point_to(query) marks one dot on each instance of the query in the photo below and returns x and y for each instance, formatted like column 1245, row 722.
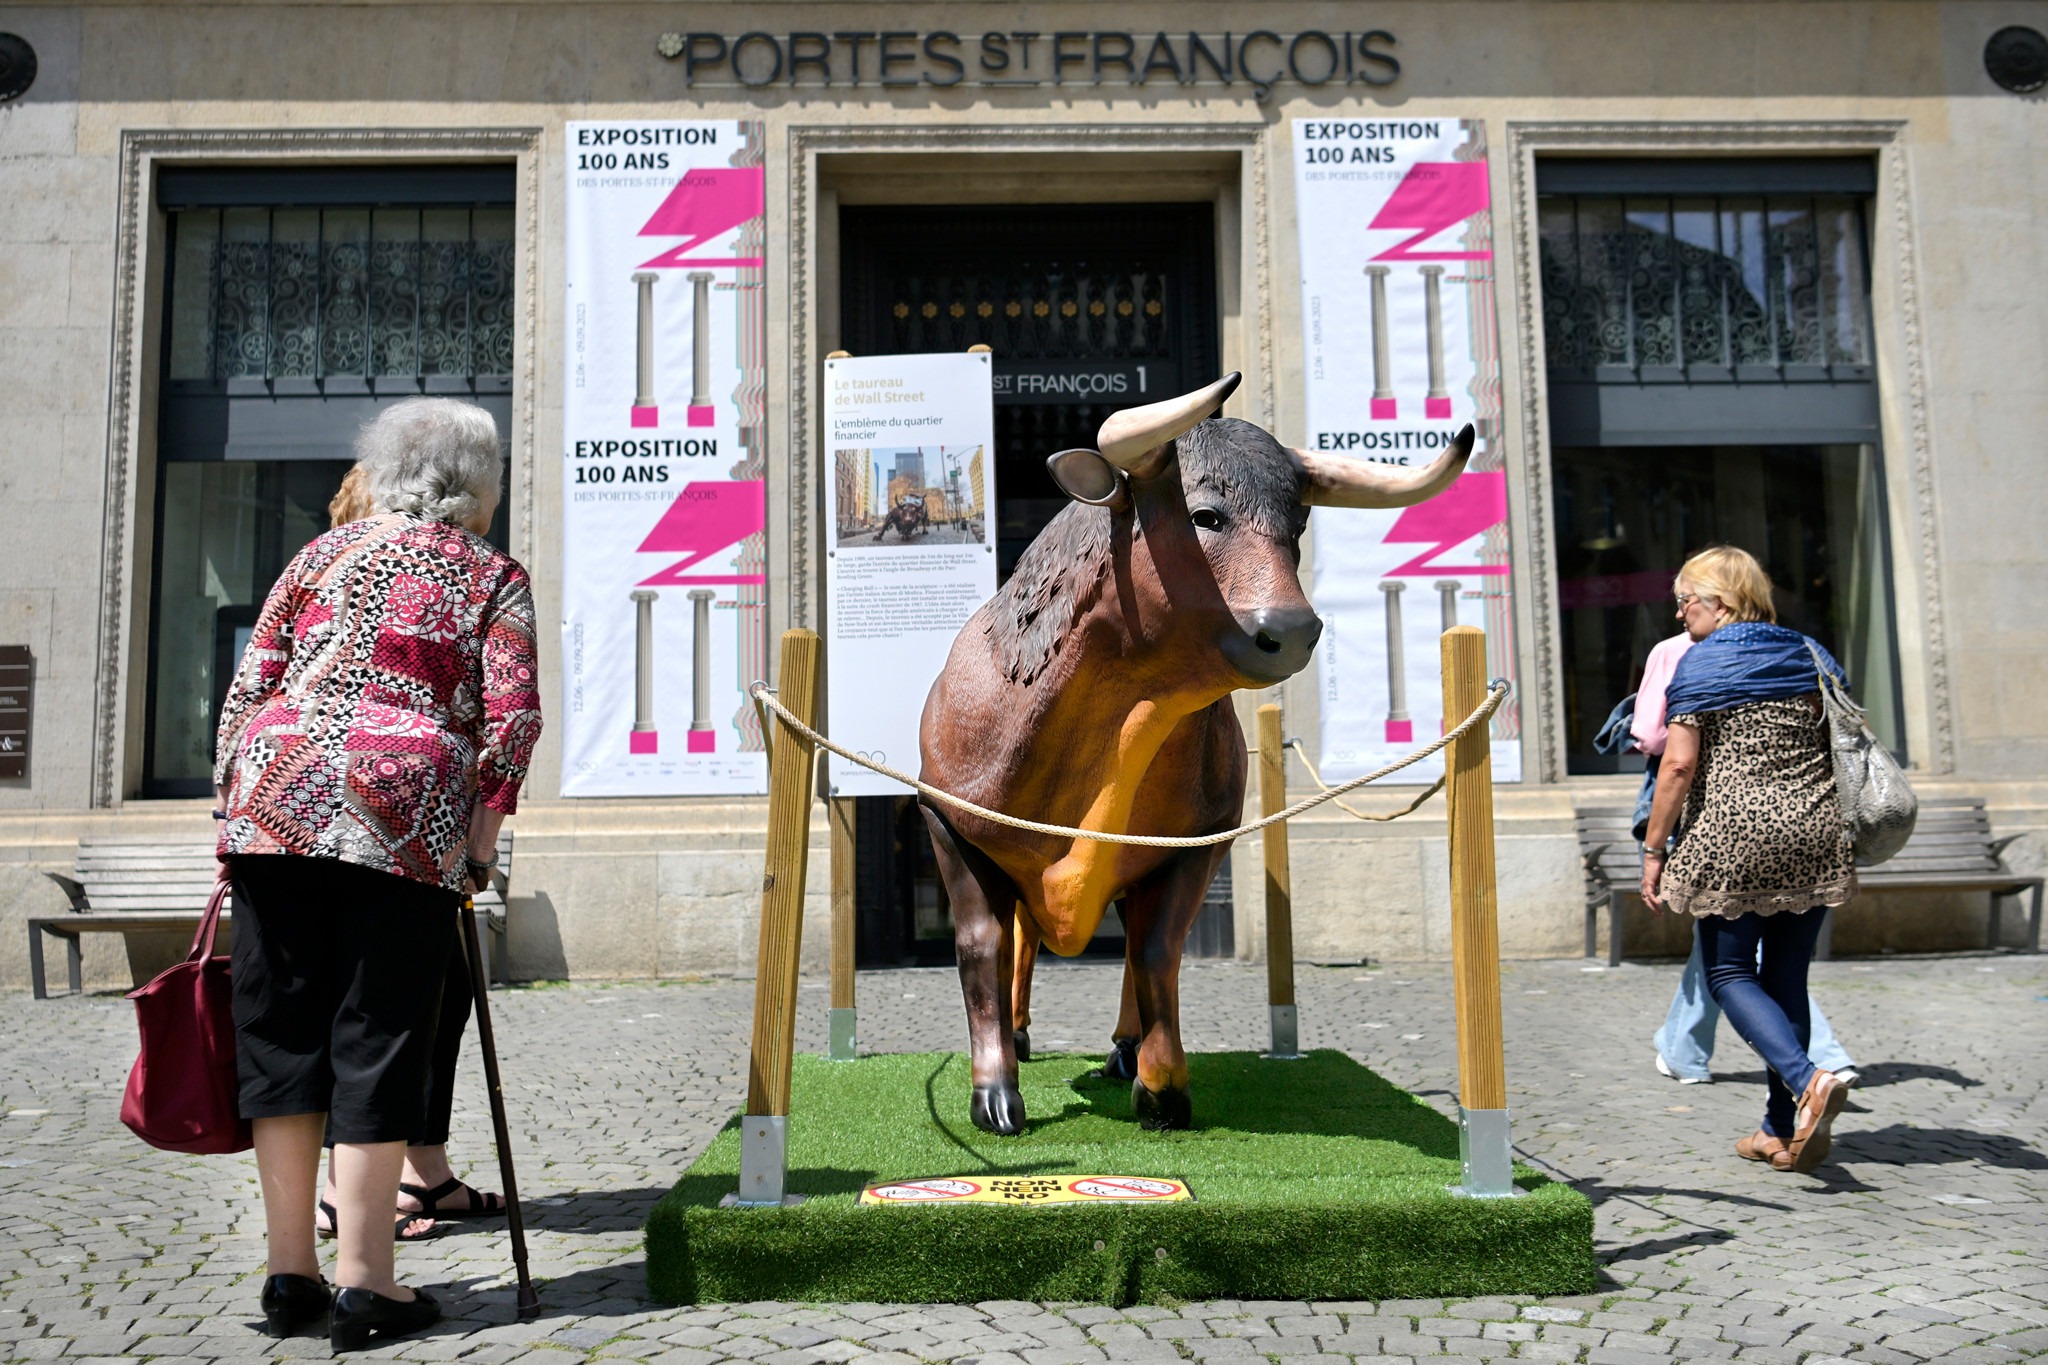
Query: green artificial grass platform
column 1313, row 1179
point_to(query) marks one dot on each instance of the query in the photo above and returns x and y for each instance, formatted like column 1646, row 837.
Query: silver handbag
column 1878, row 806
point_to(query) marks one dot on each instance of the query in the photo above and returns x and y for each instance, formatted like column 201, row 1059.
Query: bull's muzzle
column 1274, row 643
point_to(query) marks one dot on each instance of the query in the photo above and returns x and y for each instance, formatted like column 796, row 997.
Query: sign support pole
column 1280, row 1006
column 844, row 1013
column 1483, row 1142
column 764, row 1128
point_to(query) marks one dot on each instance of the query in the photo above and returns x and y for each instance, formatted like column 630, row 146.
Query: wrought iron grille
column 1777, row 281
column 314, row 293
column 1046, row 309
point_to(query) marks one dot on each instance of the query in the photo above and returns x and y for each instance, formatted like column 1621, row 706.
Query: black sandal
column 398, row 1231
column 481, row 1205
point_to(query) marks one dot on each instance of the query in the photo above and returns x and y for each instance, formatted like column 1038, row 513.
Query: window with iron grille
column 296, row 305
column 1711, row 380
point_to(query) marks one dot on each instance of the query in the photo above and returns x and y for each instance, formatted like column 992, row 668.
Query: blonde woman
column 1766, row 851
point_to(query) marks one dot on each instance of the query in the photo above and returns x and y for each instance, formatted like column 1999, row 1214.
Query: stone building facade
column 1905, row 470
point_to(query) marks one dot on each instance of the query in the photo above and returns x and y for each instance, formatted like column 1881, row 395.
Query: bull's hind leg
column 1122, row 1062
column 984, row 902
column 1158, row 912
column 1020, row 985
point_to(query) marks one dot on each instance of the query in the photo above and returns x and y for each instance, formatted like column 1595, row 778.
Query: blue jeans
column 1756, row 970
column 1686, row 1042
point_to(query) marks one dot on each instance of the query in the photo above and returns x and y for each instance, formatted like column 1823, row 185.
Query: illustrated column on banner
column 910, row 454
column 664, row 612
column 1397, row 300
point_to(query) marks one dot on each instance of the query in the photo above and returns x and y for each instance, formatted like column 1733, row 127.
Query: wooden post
column 843, row 1031
column 1475, row 930
column 763, row 1134
column 1280, row 1007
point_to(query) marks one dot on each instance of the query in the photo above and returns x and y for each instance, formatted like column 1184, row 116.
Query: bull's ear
column 1085, row 476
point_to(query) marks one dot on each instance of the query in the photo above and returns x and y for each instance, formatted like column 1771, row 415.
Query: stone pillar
column 1400, row 730
column 1384, row 408
column 703, row 739
column 1437, row 406
column 1447, row 597
column 646, row 411
column 645, row 740
column 700, row 348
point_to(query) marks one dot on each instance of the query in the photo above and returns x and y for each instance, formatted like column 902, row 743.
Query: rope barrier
column 1409, row 809
column 1496, row 693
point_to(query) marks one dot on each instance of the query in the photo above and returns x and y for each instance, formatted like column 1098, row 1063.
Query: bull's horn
column 1339, row 481
column 1135, row 439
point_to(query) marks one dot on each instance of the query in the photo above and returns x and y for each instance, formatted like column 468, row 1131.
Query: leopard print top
column 1763, row 829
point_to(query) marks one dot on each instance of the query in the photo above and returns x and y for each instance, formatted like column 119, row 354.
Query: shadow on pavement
column 1875, row 1075
column 1690, row 1239
column 1900, row 1145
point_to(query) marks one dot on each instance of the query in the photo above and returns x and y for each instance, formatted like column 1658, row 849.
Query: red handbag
column 181, row 1095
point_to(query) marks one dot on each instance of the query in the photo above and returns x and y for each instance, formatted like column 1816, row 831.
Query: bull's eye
column 1208, row 518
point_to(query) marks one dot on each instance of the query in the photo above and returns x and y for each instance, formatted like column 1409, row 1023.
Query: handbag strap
column 209, row 922
column 1834, row 698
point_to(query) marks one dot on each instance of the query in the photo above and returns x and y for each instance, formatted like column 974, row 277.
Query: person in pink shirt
column 1648, row 727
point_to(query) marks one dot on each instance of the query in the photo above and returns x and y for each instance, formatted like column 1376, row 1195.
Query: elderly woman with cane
column 373, row 741
column 1765, row 851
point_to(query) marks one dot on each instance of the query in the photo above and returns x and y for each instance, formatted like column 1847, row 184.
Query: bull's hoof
column 998, row 1109
column 1022, row 1039
column 1122, row 1062
column 1161, row 1109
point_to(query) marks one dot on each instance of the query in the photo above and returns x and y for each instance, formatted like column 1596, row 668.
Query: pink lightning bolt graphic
column 704, row 519
column 1467, row 509
column 705, row 204
column 1432, row 197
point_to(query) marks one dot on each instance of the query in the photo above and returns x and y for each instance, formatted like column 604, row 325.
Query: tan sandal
column 1811, row 1140
column 1762, row 1146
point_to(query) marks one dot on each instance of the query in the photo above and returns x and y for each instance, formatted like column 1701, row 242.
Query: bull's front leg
column 1020, row 983
column 984, row 904
column 1158, row 912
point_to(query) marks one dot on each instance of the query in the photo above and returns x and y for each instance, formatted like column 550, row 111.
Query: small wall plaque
column 17, row 66
column 17, row 676
column 2017, row 58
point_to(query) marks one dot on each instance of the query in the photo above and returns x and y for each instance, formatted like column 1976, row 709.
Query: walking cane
column 515, row 1221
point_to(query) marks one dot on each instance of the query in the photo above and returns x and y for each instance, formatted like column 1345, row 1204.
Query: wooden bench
column 128, row 886
column 1952, row 849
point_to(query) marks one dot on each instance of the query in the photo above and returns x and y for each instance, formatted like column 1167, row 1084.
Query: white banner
column 663, row 553
column 910, row 503
column 1398, row 329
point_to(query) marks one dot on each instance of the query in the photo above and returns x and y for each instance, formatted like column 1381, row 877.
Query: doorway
column 1088, row 308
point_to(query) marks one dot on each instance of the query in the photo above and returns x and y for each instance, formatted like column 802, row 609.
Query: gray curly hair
column 436, row 458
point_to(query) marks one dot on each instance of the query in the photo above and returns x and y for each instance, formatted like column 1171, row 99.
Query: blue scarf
column 1742, row 663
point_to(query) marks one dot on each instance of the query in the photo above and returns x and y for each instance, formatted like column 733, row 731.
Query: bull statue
column 1093, row 691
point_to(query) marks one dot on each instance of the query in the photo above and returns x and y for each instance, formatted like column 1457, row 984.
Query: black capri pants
column 338, row 977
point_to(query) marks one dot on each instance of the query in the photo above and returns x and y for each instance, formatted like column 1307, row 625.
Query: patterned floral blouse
column 390, row 684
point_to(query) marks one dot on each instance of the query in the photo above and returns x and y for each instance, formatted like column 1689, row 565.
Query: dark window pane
column 196, row 242
column 444, row 291
column 491, row 291
column 394, row 291
column 241, row 347
column 1795, row 284
column 1567, row 332
column 345, row 291
column 294, row 292
column 1653, row 281
column 1702, row 276
column 1749, row 309
column 1628, row 517
column 1605, row 260
column 229, row 528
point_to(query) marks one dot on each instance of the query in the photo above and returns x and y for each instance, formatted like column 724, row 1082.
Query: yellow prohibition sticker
column 1030, row 1191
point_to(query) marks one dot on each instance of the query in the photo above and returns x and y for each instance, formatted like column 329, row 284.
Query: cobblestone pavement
column 1923, row 1240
